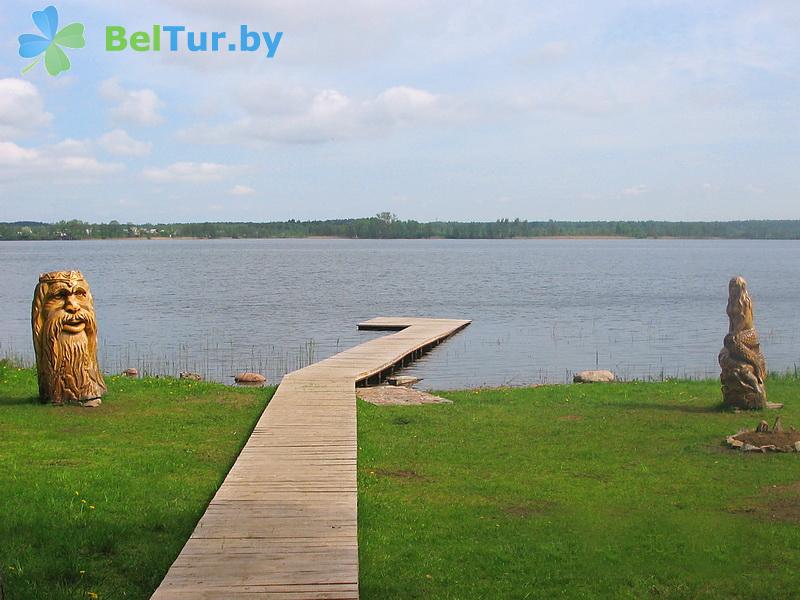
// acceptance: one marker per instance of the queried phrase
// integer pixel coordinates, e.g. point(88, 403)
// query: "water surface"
point(541, 309)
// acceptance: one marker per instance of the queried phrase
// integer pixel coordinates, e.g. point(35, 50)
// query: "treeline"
point(387, 226)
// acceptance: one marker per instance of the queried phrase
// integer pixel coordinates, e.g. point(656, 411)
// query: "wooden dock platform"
point(283, 524)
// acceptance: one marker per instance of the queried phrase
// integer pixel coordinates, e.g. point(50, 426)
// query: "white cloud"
point(21, 109)
point(241, 190)
point(299, 115)
point(86, 165)
point(636, 190)
point(21, 113)
point(118, 142)
point(71, 147)
point(12, 155)
point(66, 160)
point(191, 172)
point(135, 106)
point(407, 104)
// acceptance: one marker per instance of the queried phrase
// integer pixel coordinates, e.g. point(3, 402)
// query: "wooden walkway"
point(283, 525)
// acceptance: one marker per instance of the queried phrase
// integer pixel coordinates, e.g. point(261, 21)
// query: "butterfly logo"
point(50, 42)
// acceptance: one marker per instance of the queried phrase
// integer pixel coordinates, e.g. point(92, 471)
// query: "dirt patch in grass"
point(775, 503)
point(766, 438)
point(399, 474)
point(791, 488)
point(63, 462)
point(786, 509)
point(394, 395)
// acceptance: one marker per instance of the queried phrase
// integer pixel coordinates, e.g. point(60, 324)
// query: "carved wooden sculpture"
point(65, 339)
point(743, 366)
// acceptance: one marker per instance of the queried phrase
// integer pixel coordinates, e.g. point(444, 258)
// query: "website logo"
point(181, 38)
point(50, 42)
point(176, 38)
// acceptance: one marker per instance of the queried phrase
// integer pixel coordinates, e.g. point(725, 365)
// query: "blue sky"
point(464, 110)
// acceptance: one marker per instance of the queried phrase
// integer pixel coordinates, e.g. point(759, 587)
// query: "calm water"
point(541, 308)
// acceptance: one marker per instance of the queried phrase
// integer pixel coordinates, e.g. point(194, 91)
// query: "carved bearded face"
point(65, 339)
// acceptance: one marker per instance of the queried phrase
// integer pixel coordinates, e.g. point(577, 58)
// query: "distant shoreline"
point(432, 238)
point(387, 226)
point(335, 237)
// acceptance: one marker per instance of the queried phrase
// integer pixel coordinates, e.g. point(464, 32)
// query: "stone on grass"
point(594, 377)
point(251, 378)
point(131, 372)
point(188, 375)
point(92, 403)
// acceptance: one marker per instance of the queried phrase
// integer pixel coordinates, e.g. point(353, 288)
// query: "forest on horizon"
point(388, 226)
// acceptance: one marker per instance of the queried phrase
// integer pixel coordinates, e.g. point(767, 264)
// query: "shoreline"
point(432, 238)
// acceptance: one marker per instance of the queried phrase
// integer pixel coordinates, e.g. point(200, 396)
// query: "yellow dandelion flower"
point(83, 501)
point(91, 506)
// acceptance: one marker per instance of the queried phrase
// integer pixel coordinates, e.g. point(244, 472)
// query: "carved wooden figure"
point(743, 366)
point(65, 339)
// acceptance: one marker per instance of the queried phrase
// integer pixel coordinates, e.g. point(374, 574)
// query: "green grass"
point(604, 491)
point(102, 500)
point(600, 491)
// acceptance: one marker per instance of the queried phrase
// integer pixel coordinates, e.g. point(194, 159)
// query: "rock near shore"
point(250, 378)
point(594, 377)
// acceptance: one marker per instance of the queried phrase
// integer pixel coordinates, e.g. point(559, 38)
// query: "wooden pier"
point(283, 524)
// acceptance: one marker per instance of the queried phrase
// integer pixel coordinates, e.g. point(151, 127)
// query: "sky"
point(432, 110)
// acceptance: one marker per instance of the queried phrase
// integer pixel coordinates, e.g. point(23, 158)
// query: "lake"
point(541, 309)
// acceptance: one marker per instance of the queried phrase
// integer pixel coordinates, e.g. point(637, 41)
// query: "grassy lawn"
point(100, 501)
point(604, 491)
